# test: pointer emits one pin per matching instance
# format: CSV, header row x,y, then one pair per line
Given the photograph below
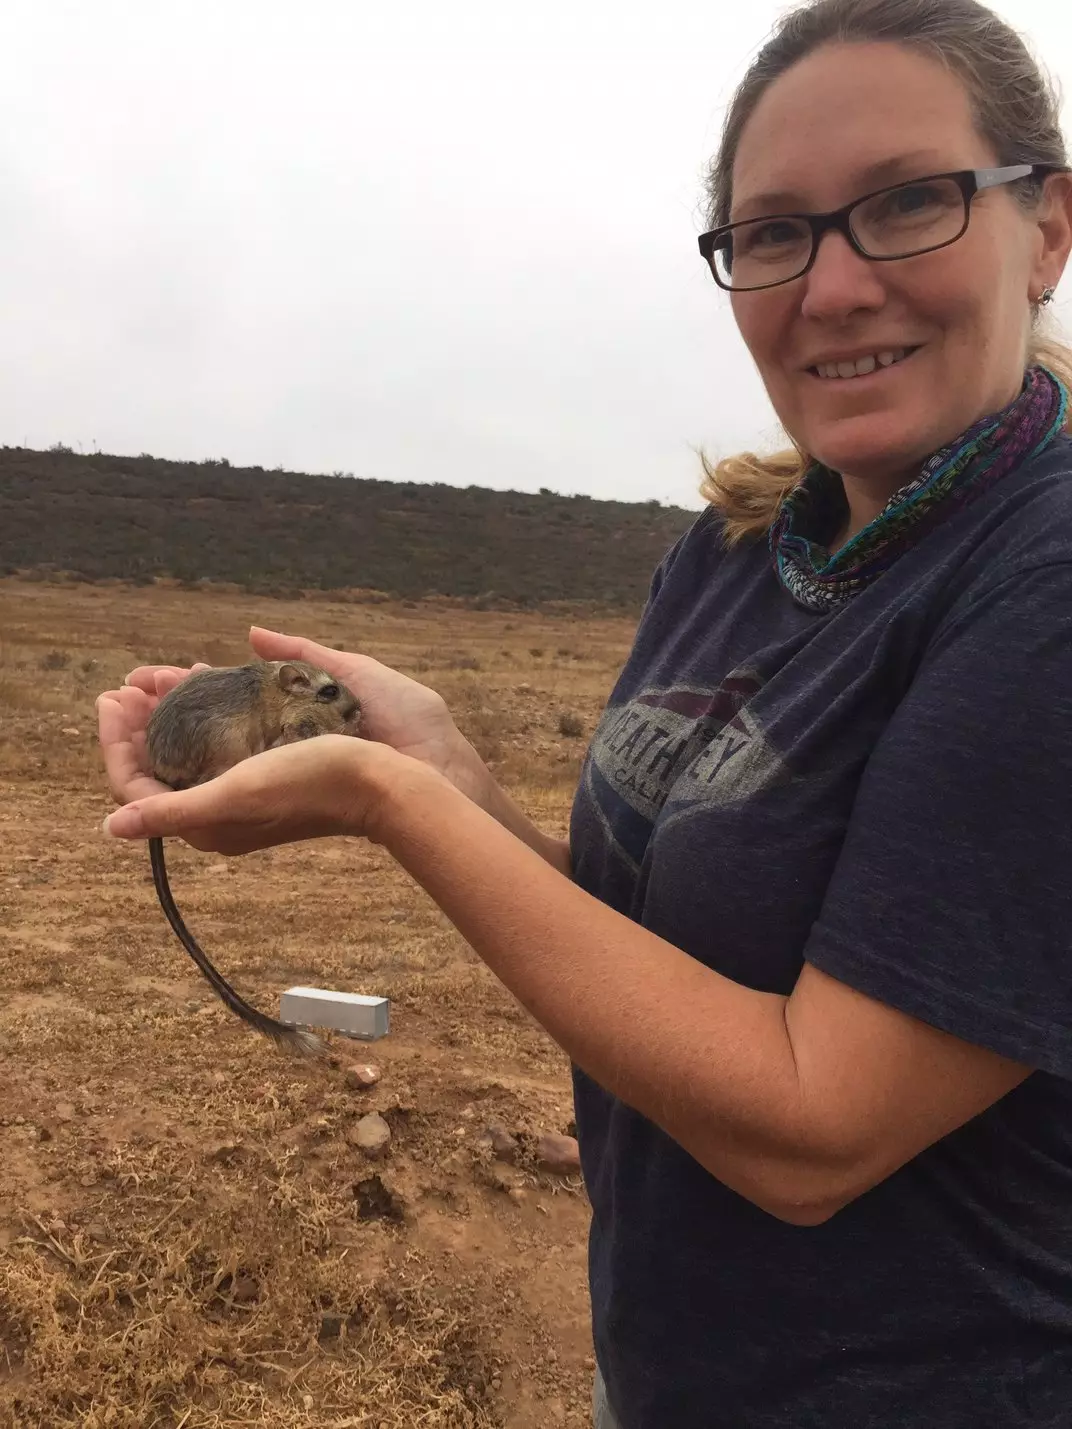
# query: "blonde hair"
x,y
1016,110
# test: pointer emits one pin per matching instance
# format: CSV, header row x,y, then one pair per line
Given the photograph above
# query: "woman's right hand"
x,y
396,710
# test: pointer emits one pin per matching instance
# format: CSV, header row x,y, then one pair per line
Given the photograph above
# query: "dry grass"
x,y
188,1235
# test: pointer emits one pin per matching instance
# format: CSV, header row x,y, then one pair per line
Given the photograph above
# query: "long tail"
x,y
281,1032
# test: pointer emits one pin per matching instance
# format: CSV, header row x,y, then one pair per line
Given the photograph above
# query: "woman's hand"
x,y
332,784
396,710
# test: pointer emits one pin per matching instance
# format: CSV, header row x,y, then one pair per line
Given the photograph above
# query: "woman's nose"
x,y
840,281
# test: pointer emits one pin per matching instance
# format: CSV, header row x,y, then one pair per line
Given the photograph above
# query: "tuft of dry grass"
x,y
175,1304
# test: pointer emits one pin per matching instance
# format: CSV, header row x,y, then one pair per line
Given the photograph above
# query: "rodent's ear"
x,y
293,677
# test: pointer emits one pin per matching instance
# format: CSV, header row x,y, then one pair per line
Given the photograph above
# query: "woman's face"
x,y
847,120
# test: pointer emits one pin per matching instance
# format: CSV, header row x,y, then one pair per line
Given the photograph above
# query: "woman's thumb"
x,y
271,645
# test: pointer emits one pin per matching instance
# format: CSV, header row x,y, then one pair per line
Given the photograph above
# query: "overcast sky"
x,y
413,239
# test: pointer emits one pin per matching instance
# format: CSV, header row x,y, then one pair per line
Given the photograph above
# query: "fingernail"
x,y
124,823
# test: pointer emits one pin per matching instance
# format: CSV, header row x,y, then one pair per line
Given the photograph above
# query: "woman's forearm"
x,y
706,1059
471,775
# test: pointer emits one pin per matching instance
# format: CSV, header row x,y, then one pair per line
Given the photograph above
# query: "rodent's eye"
x,y
328,692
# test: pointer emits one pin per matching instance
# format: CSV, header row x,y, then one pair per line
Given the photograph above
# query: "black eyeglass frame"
x,y
969,181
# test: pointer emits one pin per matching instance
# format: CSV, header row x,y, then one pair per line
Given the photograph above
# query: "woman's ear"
x,y
1054,242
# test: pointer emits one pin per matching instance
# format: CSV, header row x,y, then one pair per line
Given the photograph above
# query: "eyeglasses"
x,y
897,222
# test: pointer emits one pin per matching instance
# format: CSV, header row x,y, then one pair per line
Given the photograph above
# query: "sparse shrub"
x,y
570,725
55,660
463,662
536,651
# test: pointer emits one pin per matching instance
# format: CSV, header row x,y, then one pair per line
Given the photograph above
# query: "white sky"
x,y
411,240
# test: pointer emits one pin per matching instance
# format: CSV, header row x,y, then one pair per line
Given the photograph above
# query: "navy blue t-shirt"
x,y
884,791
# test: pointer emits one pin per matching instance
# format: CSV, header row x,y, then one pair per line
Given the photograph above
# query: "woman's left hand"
x,y
331,784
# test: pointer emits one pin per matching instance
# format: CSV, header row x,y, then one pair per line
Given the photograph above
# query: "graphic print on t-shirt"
x,y
703,745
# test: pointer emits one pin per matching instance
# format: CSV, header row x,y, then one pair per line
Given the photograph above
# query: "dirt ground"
x,y
189,1235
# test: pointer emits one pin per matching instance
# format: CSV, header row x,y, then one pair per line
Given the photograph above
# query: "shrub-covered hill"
x,y
135,518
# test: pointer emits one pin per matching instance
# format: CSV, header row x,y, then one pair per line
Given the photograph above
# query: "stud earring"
x,y
1046,297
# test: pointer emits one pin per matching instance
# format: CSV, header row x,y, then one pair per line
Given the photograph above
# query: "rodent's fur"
x,y
211,721
215,718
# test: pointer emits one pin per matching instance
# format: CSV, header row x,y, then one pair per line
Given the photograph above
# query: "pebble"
x,y
63,1111
503,1145
362,1075
558,1153
372,1135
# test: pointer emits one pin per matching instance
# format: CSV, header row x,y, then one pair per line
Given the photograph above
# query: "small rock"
x,y
362,1075
558,1153
503,1145
372,1135
307,1402
70,730
516,1193
43,1134
97,1232
64,1111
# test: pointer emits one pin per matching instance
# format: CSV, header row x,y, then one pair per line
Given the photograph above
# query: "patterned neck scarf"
x,y
947,481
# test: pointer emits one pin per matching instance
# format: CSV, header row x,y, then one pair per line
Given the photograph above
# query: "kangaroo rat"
x,y
214,719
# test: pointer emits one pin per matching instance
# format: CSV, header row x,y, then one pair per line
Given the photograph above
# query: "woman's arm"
x,y
800,1104
481,787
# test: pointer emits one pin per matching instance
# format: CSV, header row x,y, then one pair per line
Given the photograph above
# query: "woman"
x,y
807,943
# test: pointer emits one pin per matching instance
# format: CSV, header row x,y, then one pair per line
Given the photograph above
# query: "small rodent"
x,y
211,721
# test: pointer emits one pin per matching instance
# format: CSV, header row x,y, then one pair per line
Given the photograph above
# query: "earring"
x,y
1046,297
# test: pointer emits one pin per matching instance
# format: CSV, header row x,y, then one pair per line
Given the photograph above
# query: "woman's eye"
x,y
914,200
328,692
758,238
772,233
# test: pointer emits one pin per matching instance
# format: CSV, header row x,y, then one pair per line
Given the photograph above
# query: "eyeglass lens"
x,y
911,218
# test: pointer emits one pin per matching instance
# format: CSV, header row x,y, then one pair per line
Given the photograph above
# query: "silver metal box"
x,y
351,1013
